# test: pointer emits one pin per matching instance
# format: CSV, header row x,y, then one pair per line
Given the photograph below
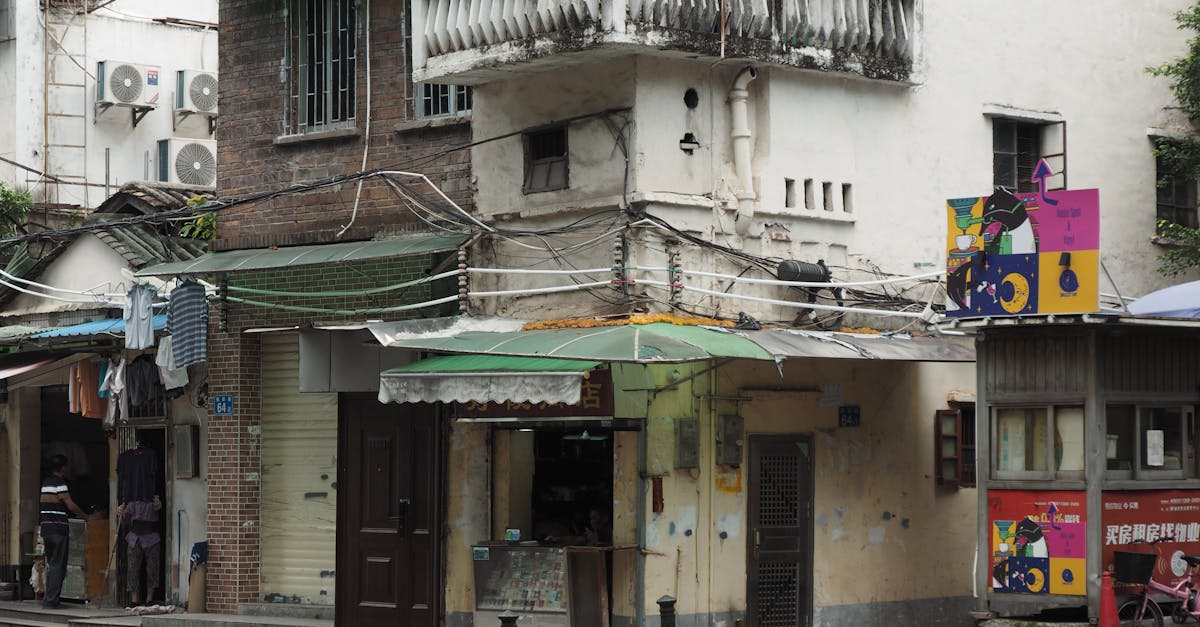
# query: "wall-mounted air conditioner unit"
x,y
127,84
190,162
196,92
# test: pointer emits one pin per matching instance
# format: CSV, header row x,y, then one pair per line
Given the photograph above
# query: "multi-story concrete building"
x,y
632,157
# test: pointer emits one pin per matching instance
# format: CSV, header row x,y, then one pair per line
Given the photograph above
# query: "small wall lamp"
x,y
689,143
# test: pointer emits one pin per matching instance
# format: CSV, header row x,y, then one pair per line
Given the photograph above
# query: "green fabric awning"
x,y
662,342
657,342
483,378
292,256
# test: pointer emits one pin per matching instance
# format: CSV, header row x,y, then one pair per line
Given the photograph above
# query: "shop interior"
x,y
571,487
552,550
83,442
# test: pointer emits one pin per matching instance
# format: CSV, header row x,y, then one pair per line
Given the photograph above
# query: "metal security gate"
x,y
779,573
299,476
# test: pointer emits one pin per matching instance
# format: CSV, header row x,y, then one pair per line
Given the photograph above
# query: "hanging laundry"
x,y
187,322
84,390
118,394
141,379
103,393
139,319
171,376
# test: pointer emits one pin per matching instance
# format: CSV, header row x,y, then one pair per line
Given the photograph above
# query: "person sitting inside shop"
x,y
597,533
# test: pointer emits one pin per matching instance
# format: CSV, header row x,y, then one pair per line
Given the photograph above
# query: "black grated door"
x,y
780,567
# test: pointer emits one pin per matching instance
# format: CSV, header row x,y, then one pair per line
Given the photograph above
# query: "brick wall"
x,y
252,117
234,368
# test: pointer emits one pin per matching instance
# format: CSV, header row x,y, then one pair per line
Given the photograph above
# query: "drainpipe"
x,y
740,132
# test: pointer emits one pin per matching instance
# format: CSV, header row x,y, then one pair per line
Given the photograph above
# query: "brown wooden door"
x,y
388,513
779,572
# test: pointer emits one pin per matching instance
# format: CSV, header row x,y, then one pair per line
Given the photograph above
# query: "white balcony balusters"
x,y
881,28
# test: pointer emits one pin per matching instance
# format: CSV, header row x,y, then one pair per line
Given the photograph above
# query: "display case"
x,y
528,580
87,560
545,585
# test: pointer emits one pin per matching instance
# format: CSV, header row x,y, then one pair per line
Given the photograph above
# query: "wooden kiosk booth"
x,y
1087,443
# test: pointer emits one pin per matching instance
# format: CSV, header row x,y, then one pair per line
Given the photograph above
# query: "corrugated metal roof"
x,y
106,326
494,363
265,258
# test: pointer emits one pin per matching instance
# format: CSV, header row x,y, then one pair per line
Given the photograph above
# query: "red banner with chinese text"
x,y
1132,518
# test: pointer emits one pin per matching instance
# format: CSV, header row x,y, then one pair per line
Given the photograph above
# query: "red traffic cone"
x,y
1108,603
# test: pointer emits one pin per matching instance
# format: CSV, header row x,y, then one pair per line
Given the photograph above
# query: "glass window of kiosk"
x,y
1038,443
1147,442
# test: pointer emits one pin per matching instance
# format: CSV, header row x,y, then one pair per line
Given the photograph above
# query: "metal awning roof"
x,y
265,258
107,326
483,378
667,343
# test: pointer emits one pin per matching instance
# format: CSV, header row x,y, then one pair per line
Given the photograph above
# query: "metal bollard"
x,y
508,619
666,611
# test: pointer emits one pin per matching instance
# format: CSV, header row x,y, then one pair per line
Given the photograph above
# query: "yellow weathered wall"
x,y
466,510
876,510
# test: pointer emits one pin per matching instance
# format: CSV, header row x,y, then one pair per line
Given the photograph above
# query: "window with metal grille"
x,y
1016,148
438,99
546,160
1176,197
322,42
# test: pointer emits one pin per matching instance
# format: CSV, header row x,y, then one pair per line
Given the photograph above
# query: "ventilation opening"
x,y
789,193
810,198
827,193
847,198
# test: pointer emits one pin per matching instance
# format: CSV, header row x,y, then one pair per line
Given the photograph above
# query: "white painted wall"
x,y
60,81
903,150
87,264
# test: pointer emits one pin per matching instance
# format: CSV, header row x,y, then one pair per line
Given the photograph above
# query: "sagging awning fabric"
x,y
312,255
668,343
483,378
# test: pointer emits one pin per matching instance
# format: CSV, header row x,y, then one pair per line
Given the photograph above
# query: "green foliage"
x,y
203,227
1184,253
14,209
1184,72
1180,157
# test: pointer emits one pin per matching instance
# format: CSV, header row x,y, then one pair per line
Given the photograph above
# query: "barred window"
x,y
322,42
439,99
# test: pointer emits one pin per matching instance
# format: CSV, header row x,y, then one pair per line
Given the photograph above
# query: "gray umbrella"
x,y
1177,301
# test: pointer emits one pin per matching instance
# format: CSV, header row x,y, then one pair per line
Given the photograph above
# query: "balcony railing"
x,y
851,35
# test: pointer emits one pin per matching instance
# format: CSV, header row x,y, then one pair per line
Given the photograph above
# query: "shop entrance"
x,y
389,513
82,441
572,485
779,573
153,439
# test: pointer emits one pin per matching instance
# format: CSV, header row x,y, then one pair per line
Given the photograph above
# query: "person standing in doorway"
x,y
55,503
138,511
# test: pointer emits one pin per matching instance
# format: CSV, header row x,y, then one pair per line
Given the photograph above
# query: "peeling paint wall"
x,y
467,511
876,506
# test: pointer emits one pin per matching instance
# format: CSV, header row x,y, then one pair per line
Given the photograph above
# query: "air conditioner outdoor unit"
x,y
196,92
127,84
190,162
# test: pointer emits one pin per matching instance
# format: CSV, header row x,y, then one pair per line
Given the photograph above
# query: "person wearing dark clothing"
x,y
55,504
138,506
137,475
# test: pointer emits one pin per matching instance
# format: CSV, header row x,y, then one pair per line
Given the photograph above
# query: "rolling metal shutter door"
x,y
299,468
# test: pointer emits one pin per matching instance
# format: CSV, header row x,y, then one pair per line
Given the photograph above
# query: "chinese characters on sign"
x,y
1131,518
595,399
1039,541
1023,254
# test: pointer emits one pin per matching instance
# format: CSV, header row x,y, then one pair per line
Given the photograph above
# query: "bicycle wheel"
x,y
1131,613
